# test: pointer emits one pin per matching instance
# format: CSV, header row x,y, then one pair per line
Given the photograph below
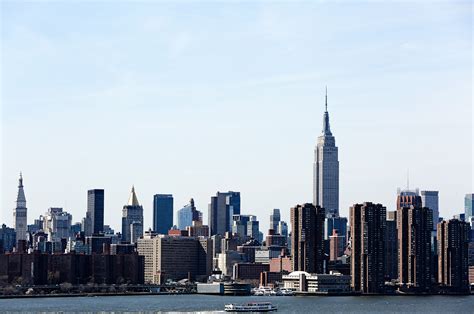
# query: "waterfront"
x,y
205,303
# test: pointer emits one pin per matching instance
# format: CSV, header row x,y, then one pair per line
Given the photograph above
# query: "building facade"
x,y
275,218
307,241
162,213
187,215
430,199
317,283
414,226
368,227
326,170
175,258
453,262
95,211
391,246
57,224
132,219
222,208
469,205
20,213
7,239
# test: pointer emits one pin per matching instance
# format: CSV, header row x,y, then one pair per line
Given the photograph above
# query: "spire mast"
x,y
326,98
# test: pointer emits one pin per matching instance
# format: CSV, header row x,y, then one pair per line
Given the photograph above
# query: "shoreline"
x,y
102,294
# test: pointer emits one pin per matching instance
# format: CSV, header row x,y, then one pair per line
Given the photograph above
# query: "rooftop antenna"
x,y
326,98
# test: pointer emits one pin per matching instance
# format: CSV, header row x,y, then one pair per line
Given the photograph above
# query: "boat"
x,y
251,307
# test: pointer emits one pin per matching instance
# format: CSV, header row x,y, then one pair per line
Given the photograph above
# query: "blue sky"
x,y
194,97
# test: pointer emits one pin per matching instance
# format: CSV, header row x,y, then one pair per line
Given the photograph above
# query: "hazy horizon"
x,y
192,98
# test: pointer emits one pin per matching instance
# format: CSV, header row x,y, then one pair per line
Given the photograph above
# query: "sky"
x,y
191,98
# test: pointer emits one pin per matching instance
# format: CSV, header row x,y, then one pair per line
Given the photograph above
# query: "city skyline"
x,y
55,136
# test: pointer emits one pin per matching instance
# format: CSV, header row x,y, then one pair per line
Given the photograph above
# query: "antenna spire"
x,y
326,98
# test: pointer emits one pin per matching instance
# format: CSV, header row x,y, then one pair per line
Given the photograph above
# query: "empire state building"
x,y
326,169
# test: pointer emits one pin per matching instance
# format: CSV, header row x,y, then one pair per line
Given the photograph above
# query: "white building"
x,y
57,224
227,260
317,283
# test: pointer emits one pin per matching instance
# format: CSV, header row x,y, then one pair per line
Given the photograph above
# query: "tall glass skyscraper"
x,y
222,208
162,213
430,199
326,169
187,215
275,219
469,205
95,210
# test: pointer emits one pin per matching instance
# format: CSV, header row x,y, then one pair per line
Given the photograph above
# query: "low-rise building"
x,y
249,271
317,283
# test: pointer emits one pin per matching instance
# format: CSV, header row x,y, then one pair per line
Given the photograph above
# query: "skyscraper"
x,y
222,208
469,205
95,210
307,240
391,246
326,169
407,198
367,225
453,264
252,228
275,219
187,215
414,226
430,199
132,219
162,213
57,224
20,212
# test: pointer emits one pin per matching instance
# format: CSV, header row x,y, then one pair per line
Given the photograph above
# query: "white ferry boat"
x,y
251,307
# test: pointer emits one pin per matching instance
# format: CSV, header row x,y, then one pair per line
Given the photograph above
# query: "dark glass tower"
x,y
162,213
221,210
95,210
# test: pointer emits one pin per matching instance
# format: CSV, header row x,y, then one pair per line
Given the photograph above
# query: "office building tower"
x,y
336,245
222,208
95,211
407,198
7,239
239,225
430,199
253,228
20,213
391,246
469,205
307,240
187,215
326,169
335,222
453,263
282,229
132,219
368,227
275,219
175,258
162,213
57,224
414,226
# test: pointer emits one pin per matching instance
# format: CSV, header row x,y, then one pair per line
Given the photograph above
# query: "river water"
x,y
209,304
